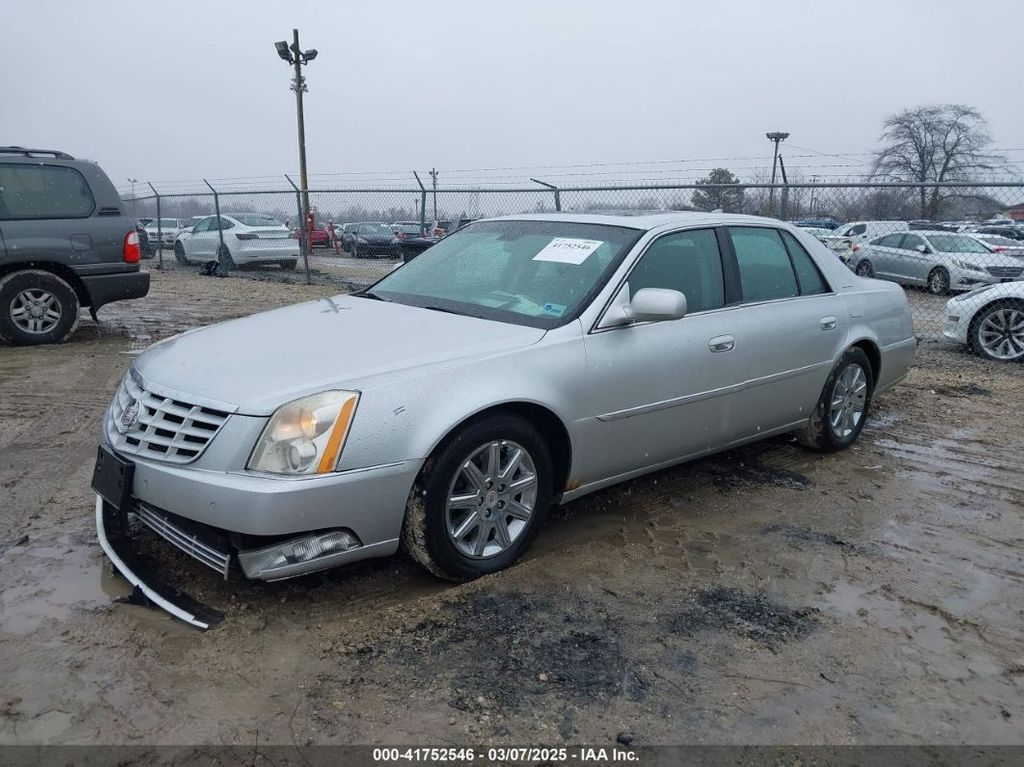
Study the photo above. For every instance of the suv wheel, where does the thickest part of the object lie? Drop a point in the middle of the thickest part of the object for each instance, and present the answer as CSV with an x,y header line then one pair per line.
x,y
36,307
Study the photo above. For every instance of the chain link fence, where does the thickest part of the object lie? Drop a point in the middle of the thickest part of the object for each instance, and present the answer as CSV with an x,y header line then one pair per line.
x,y
938,240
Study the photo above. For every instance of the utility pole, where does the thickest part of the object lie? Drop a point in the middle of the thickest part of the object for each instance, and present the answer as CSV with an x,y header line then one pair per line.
x,y
778,137
133,182
814,180
295,56
433,178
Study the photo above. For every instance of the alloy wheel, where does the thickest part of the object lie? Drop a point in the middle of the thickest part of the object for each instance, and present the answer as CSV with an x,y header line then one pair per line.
x,y
491,499
938,282
849,397
1001,333
36,310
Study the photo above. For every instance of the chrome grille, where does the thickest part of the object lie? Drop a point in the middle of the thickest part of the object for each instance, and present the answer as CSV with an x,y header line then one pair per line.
x,y
216,560
1006,271
165,429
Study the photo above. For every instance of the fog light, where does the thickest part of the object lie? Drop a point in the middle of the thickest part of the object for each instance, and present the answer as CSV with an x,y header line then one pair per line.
x,y
260,563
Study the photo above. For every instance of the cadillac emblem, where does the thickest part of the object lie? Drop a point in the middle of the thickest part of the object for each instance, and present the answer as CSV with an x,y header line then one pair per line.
x,y
129,417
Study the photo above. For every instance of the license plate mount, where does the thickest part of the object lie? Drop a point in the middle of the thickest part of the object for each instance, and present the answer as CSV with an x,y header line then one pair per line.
x,y
112,478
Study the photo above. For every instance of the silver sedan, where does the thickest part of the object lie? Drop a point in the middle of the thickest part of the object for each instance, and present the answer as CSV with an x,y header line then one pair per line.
x,y
518,363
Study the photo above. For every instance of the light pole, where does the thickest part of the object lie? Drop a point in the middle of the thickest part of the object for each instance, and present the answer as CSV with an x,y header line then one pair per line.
x,y
778,137
295,56
433,178
133,182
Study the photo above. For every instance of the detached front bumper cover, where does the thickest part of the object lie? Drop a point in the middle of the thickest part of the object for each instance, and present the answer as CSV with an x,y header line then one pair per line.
x,y
148,588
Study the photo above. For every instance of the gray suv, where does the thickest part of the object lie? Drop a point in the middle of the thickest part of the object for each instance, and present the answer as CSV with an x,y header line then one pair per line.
x,y
65,243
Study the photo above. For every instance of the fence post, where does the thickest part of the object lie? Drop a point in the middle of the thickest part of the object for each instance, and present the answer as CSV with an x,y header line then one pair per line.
x,y
303,242
558,192
159,231
784,212
220,232
423,204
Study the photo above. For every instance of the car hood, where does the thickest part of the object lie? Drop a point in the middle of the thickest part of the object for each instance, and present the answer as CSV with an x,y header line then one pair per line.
x,y
262,361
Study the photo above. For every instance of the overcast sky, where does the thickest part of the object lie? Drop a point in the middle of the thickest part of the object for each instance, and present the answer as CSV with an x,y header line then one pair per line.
x,y
182,90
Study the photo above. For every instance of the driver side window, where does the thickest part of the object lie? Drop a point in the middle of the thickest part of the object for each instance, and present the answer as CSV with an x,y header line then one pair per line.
x,y
689,262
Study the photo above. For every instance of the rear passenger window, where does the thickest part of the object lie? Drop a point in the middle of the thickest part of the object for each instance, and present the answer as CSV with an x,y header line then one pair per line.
x,y
807,273
688,262
43,191
765,270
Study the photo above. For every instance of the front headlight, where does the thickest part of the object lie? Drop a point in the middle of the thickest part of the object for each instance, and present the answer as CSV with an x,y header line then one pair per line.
x,y
959,262
306,436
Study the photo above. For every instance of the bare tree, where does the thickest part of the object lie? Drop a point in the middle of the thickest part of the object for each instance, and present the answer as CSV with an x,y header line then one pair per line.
x,y
936,142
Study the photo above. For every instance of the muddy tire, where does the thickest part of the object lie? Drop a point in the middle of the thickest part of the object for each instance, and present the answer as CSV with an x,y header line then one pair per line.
x,y
938,281
842,409
36,307
480,499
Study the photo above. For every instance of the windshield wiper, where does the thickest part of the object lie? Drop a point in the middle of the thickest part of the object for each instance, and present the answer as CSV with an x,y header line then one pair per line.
x,y
446,311
374,296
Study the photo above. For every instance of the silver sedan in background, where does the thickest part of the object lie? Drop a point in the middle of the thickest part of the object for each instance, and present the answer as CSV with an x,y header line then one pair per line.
x,y
519,363
940,261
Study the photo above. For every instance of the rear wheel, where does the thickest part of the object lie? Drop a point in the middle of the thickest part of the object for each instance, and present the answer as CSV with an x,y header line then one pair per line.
x,y
179,254
36,307
480,500
997,332
865,269
938,281
839,415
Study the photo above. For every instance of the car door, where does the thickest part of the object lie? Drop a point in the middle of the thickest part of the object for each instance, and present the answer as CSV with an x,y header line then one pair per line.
x,y
790,326
660,389
884,254
204,236
913,265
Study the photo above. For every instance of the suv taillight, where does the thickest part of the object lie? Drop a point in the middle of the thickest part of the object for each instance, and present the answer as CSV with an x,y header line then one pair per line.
x,y
132,251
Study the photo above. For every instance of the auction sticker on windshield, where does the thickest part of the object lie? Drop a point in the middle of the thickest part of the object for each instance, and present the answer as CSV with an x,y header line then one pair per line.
x,y
568,250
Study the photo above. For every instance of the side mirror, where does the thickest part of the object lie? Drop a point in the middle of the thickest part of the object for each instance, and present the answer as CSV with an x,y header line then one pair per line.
x,y
648,305
921,248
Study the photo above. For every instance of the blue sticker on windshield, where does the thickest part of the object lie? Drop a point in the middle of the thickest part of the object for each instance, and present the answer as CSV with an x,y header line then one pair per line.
x,y
556,309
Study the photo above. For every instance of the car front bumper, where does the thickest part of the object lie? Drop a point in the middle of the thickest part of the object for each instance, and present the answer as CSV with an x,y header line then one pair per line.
x,y
956,321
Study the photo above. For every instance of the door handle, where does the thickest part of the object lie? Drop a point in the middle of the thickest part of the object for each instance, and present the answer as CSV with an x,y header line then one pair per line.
x,y
828,323
722,344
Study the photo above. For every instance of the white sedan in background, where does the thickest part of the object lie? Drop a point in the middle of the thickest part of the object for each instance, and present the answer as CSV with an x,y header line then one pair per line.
x,y
990,320
167,232
240,238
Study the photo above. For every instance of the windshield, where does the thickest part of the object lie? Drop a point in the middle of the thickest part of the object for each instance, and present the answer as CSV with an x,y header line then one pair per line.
x,y
256,219
956,243
996,240
375,229
537,273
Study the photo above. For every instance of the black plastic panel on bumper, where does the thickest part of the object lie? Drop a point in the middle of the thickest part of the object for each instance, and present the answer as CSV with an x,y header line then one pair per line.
x,y
104,289
148,588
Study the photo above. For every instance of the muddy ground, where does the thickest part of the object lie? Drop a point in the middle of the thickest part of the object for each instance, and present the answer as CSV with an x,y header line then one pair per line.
x,y
767,595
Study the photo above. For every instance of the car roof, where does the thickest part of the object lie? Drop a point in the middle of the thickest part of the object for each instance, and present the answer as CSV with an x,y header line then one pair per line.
x,y
644,220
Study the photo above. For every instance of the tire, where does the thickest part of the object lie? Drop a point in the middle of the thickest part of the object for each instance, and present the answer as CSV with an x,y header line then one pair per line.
x,y
179,254
355,250
36,307
865,269
288,265
997,331
938,281
224,256
820,432
430,531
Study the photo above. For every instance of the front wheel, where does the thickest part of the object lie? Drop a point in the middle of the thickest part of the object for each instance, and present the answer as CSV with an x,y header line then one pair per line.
x,y
938,281
480,500
865,269
997,332
179,254
838,417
